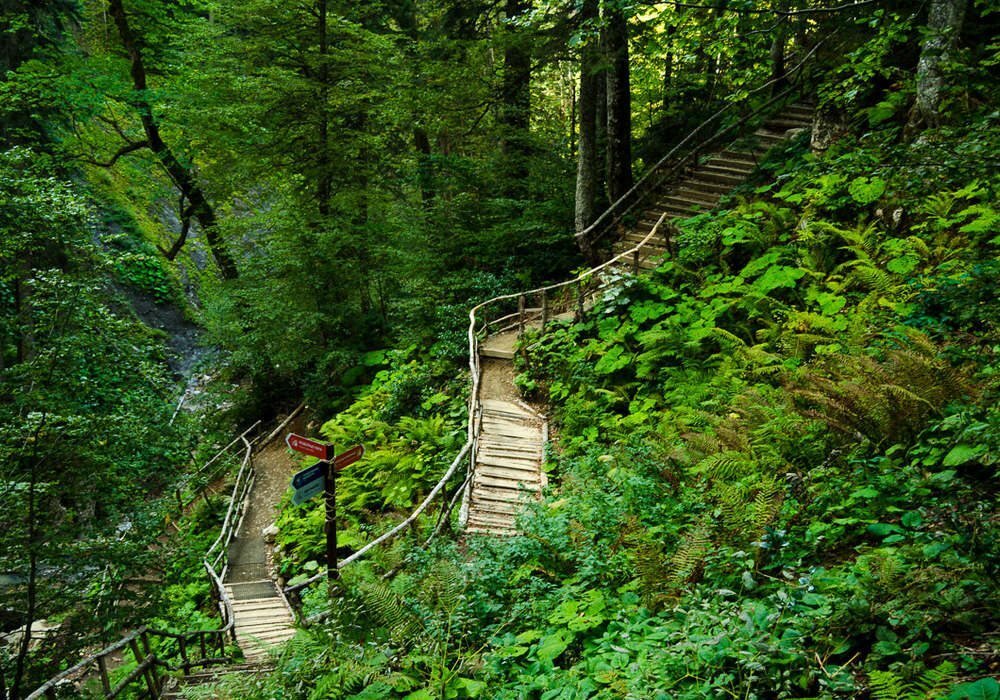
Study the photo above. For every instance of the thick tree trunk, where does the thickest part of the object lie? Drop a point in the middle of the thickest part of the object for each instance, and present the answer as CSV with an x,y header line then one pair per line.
x,y
182,177
944,23
586,162
425,167
515,108
619,107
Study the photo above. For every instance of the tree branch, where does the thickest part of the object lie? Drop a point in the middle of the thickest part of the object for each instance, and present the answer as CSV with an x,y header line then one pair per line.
x,y
123,151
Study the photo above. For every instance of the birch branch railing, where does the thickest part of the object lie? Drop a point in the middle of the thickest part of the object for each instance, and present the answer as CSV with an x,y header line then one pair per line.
x,y
177,651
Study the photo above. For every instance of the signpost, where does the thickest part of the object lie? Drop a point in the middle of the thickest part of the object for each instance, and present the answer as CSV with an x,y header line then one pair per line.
x,y
309,447
321,477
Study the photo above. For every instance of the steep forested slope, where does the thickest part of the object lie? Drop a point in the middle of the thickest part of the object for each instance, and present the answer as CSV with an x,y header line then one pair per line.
x,y
772,470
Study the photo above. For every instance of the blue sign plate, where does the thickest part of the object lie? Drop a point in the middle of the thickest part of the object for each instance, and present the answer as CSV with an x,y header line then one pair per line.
x,y
308,474
310,489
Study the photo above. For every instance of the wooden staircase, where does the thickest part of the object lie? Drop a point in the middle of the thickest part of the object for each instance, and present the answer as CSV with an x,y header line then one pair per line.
x,y
507,463
263,618
175,689
706,183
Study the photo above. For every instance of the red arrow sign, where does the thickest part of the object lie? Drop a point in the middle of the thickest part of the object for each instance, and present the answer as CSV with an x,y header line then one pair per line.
x,y
349,457
307,446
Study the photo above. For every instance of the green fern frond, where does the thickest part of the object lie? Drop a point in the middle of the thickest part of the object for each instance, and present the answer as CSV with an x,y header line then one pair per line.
x,y
686,563
390,609
724,465
885,685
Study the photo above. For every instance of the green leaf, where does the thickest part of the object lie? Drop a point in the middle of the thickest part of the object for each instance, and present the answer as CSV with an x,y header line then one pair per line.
x,y
961,454
778,276
983,689
912,519
864,190
882,529
554,644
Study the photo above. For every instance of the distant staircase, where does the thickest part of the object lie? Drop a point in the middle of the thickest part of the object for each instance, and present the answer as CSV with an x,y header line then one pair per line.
x,y
704,184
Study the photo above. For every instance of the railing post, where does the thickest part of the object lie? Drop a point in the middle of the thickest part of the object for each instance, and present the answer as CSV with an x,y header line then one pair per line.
x,y
635,261
139,659
521,303
153,672
102,668
545,309
185,664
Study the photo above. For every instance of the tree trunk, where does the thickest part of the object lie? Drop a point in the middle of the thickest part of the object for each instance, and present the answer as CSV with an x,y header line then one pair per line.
x,y
425,166
619,107
779,81
515,108
182,177
944,24
586,162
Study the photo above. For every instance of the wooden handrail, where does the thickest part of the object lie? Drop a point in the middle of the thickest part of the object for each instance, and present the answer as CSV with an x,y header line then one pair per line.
x,y
596,230
149,660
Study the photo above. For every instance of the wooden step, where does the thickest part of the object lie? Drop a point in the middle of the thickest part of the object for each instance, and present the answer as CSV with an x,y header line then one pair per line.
x,y
518,469
504,407
482,492
704,184
503,522
688,193
687,203
738,159
496,353
787,123
723,167
499,475
503,482
496,507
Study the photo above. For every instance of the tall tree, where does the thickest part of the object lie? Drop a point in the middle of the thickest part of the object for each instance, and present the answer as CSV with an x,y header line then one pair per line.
x,y
587,180
515,98
619,96
193,200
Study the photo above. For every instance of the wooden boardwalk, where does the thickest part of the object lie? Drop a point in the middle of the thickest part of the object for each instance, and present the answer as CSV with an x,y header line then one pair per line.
x,y
706,183
508,466
263,619
510,436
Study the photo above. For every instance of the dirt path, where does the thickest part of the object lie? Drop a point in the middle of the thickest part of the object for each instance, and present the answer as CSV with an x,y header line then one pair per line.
x,y
497,380
249,555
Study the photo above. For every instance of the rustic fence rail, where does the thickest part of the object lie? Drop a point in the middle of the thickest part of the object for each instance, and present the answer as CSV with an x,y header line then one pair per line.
x,y
156,651
504,313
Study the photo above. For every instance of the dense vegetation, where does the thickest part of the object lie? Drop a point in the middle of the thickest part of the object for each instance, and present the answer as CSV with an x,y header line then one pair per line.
x,y
773,464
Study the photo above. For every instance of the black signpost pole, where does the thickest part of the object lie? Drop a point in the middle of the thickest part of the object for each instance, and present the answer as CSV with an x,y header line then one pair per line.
x,y
332,572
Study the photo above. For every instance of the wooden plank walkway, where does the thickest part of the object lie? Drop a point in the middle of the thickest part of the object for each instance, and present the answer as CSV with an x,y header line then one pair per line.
x,y
263,619
507,470
511,436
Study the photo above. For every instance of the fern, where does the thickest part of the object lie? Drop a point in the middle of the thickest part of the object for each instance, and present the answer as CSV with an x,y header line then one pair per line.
x,y
727,465
686,563
883,400
886,685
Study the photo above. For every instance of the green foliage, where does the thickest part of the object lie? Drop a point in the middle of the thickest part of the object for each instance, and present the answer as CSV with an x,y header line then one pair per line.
x,y
411,421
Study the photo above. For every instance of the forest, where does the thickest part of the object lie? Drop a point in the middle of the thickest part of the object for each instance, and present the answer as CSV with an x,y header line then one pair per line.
x,y
669,330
